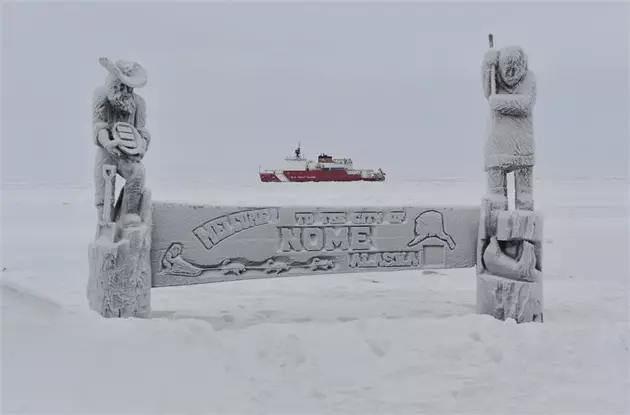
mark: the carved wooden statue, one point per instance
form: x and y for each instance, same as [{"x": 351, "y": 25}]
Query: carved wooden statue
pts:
[
  {"x": 120, "y": 134},
  {"x": 509, "y": 264},
  {"x": 120, "y": 271}
]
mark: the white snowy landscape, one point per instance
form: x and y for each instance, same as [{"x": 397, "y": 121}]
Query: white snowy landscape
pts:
[
  {"x": 400, "y": 342},
  {"x": 393, "y": 85}
]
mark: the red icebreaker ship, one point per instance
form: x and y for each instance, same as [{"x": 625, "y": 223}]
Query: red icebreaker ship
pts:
[{"x": 325, "y": 169}]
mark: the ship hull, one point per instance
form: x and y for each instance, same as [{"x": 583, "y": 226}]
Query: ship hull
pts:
[{"x": 316, "y": 176}]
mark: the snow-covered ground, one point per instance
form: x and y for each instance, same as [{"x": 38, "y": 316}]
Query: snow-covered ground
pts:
[{"x": 403, "y": 342}]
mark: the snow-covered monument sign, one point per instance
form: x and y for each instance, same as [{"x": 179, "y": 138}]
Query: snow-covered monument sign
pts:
[{"x": 141, "y": 244}]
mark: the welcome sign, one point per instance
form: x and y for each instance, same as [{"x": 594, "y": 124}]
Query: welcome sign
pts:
[{"x": 193, "y": 244}]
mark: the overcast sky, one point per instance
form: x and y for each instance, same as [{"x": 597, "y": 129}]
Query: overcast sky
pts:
[{"x": 236, "y": 84}]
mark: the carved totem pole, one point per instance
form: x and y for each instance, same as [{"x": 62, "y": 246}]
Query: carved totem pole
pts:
[
  {"x": 509, "y": 262},
  {"x": 120, "y": 272}
]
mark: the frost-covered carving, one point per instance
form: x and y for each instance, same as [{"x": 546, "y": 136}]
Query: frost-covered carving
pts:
[
  {"x": 119, "y": 132},
  {"x": 119, "y": 282},
  {"x": 430, "y": 224},
  {"x": 511, "y": 242},
  {"x": 223, "y": 243},
  {"x": 236, "y": 268},
  {"x": 120, "y": 267},
  {"x": 193, "y": 244},
  {"x": 276, "y": 267},
  {"x": 510, "y": 89},
  {"x": 509, "y": 263},
  {"x": 174, "y": 265},
  {"x": 106, "y": 225},
  {"x": 323, "y": 264}
]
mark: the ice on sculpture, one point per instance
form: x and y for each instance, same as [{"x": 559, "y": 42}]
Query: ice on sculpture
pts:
[
  {"x": 120, "y": 271},
  {"x": 509, "y": 147},
  {"x": 509, "y": 265},
  {"x": 120, "y": 133},
  {"x": 507, "y": 250}
]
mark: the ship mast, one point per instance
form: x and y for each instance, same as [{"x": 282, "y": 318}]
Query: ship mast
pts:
[{"x": 298, "y": 151}]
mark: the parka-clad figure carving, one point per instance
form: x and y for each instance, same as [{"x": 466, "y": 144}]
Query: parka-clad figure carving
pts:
[
  {"x": 509, "y": 263},
  {"x": 509, "y": 147}
]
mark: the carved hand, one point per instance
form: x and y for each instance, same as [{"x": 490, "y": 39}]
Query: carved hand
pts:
[
  {"x": 491, "y": 57},
  {"x": 142, "y": 151},
  {"x": 496, "y": 102},
  {"x": 109, "y": 145}
]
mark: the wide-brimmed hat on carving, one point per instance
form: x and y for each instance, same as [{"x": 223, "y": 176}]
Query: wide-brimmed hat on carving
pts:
[{"x": 130, "y": 73}]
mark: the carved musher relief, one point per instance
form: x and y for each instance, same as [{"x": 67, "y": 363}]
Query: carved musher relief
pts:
[
  {"x": 173, "y": 264},
  {"x": 202, "y": 244}
]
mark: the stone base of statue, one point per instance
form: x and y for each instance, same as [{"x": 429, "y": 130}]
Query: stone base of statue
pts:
[
  {"x": 119, "y": 283},
  {"x": 509, "y": 263}
]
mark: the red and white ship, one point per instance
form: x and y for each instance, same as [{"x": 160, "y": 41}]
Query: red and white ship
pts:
[{"x": 325, "y": 169}]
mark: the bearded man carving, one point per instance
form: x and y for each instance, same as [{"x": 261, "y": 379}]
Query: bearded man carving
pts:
[{"x": 116, "y": 101}]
